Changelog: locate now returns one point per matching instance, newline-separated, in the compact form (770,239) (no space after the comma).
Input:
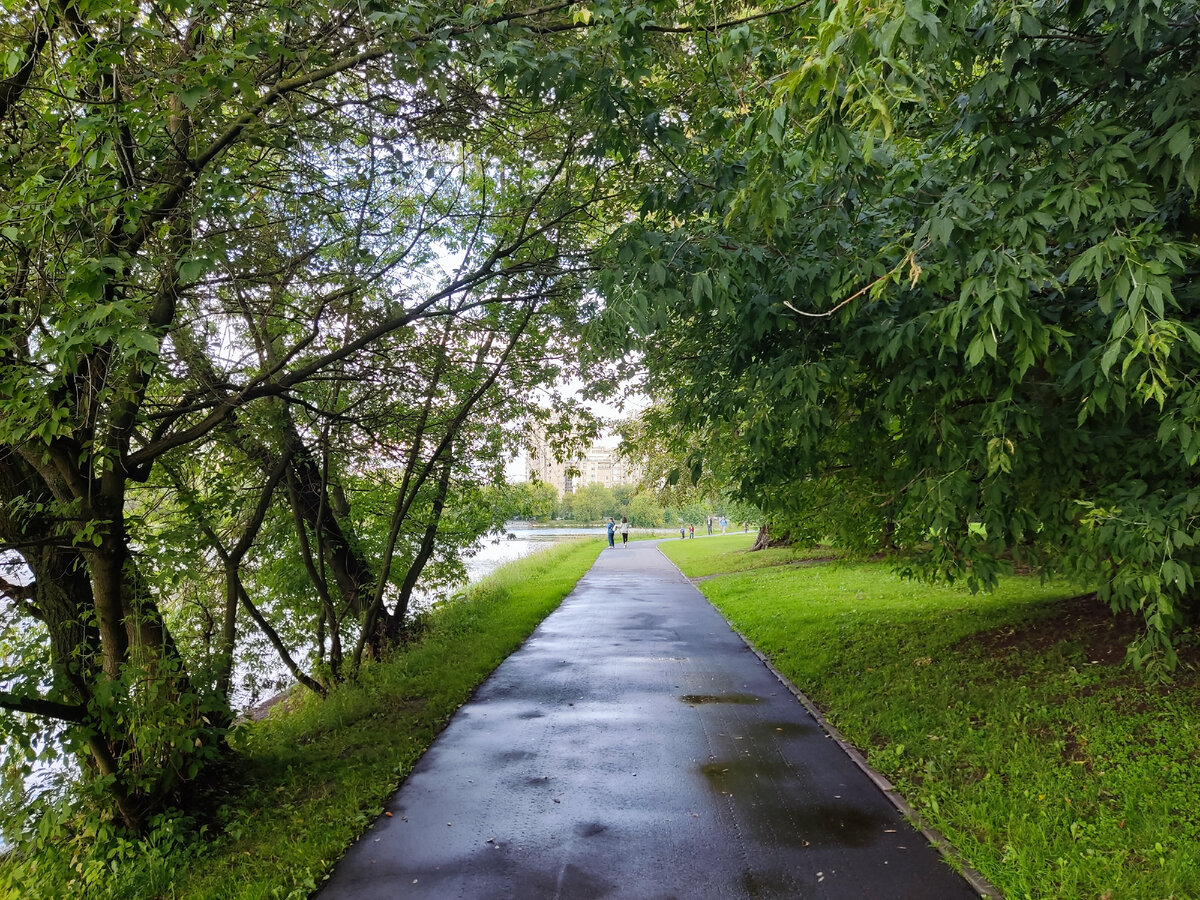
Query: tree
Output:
(941,257)
(644,512)
(688,472)
(593,503)
(531,500)
(217,220)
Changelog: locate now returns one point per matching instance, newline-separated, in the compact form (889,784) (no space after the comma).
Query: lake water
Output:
(521,539)
(518,542)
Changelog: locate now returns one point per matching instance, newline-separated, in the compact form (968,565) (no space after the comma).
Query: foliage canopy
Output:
(931,266)
(277,283)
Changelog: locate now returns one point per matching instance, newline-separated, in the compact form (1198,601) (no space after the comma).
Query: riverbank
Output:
(303,782)
(1010,721)
(269,681)
(520,539)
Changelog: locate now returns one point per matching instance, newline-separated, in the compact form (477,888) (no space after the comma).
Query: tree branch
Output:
(726,25)
(13,87)
(39,706)
(17,591)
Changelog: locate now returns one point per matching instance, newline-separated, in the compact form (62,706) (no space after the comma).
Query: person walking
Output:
(624,531)
(682,531)
(709,521)
(724,524)
(691,530)
(612,527)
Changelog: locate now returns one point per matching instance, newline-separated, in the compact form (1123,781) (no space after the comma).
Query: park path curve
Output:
(635,748)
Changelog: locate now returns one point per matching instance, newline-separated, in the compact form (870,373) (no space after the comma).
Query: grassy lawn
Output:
(309,778)
(1010,721)
(725,553)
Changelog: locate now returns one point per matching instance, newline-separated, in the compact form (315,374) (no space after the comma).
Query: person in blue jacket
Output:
(612,527)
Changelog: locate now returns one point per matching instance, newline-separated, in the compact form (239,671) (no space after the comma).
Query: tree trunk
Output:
(309,490)
(131,704)
(329,614)
(351,572)
(395,622)
(888,539)
(763,539)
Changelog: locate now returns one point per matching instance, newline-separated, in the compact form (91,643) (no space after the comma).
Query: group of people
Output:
(612,529)
(689,530)
(685,531)
(722,521)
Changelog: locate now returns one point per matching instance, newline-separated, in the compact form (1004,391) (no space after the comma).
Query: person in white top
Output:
(624,531)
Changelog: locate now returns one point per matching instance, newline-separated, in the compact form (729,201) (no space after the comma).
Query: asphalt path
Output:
(635,747)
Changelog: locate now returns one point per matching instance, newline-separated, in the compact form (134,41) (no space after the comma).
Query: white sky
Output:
(634,403)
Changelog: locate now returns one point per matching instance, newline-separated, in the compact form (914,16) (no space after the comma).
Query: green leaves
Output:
(1042,191)
(231,235)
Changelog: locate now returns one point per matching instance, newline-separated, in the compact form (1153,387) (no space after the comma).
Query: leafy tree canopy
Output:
(276,282)
(941,258)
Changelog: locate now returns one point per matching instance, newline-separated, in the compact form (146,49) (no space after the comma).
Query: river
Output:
(520,540)
(263,676)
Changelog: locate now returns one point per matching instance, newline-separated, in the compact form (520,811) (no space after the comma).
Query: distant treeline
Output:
(539,502)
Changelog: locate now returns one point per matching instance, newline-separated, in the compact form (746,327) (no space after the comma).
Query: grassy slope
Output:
(729,553)
(1009,720)
(308,779)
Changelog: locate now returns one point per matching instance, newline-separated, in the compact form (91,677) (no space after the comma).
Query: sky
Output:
(634,403)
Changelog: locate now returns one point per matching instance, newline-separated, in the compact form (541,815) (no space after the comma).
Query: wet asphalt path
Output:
(635,748)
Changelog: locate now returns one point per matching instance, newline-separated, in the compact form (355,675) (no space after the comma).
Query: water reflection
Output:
(520,541)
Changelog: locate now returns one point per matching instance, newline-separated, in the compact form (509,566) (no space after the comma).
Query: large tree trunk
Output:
(351,572)
(763,540)
(118,681)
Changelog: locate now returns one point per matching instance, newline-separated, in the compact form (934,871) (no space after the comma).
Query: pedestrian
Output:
(624,531)
(724,524)
(691,530)
(682,531)
(709,520)
(612,527)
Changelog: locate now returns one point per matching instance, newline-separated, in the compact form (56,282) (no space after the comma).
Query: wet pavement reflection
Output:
(635,748)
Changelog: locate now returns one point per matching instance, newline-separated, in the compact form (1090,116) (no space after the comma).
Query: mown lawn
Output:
(1010,720)
(309,778)
(726,553)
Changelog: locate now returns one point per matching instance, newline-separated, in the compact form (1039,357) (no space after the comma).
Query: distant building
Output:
(596,465)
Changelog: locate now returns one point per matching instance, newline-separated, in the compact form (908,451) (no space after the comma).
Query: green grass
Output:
(310,777)
(1010,721)
(727,553)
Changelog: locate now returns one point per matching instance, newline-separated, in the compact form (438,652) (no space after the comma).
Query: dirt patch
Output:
(1101,635)
(259,712)
(1082,620)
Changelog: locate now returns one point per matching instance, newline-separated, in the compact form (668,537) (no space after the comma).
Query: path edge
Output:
(972,876)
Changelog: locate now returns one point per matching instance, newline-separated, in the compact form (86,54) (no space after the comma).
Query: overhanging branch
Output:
(39,706)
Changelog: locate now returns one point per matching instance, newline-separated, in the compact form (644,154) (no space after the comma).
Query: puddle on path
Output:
(753,785)
(512,756)
(698,699)
(782,729)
